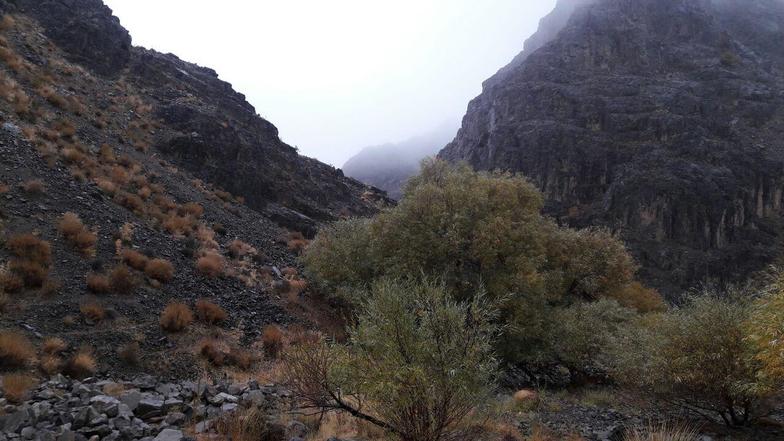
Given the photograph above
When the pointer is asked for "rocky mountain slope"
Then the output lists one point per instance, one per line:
(661, 119)
(389, 166)
(176, 191)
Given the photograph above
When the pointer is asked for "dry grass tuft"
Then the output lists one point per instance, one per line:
(211, 264)
(296, 242)
(159, 269)
(134, 259)
(32, 274)
(53, 346)
(250, 424)
(272, 341)
(98, 284)
(209, 312)
(121, 280)
(176, 317)
(34, 186)
(179, 225)
(75, 232)
(130, 353)
(238, 249)
(16, 351)
(30, 247)
(93, 311)
(50, 364)
(663, 433)
(17, 386)
(193, 209)
(81, 365)
(210, 349)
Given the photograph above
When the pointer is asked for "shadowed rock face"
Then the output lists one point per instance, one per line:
(663, 119)
(207, 127)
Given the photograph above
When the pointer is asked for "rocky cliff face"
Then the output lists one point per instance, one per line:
(663, 119)
(207, 127)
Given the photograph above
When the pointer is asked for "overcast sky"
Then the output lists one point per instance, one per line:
(338, 75)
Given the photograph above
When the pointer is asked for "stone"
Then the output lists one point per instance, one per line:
(228, 407)
(131, 399)
(296, 429)
(149, 407)
(170, 435)
(255, 398)
(223, 398)
(28, 433)
(105, 404)
(175, 419)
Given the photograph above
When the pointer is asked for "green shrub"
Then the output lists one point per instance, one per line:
(417, 363)
(474, 231)
(696, 357)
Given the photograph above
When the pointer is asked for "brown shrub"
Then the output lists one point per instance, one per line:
(33, 186)
(159, 269)
(50, 364)
(211, 351)
(75, 232)
(176, 317)
(121, 280)
(32, 274)
(251, 424)
(193, 209)
(211, 264)
(16, 351)
(129, 353)
(106, 185)
(7, 23)
(241, 359)
(4, 188)
(130, 201)
(50, 288)
(10, 282)
(209, 312)
(272, 341)
(98, 284)
(55, 99)
(238, 248)
(135, 259)
(289, 272)
(17, 386)
(29, 247)
(119, 175)
(81, 365)
(53, 346)
(93, 311)
(176, 224)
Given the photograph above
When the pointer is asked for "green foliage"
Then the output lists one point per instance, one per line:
(417, 363)
(697, 357)
(766, 333)
(478, 231)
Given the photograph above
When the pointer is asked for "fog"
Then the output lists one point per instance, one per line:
(336, 76)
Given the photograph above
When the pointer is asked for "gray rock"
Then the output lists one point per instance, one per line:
(105, 404)
(149, 407)
(170, 435)
(296, 429)
(175, 419)
(131, 399)
(255, 398)
(229, 407)
(223, 398)
(28, 433)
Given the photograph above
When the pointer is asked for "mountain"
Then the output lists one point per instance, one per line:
(660, 119)
(131, 180)
(389, 166)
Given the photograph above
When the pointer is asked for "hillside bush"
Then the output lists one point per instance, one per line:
(417, 363)
(697, 357)
(478, 230)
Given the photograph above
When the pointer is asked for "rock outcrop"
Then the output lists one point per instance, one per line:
(662, 119)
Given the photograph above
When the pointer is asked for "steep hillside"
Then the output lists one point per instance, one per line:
(661, 119)
(389, 166)
(176, 191)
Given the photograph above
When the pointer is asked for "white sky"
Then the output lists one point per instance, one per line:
(338, 75)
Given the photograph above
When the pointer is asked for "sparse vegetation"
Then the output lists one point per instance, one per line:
(417, 363)
(176, 317)
(16, 351)
(98, 283)
(130, 353)
(135, 259)
(159, 269)
(122, 280)
(209, 312)
(75, 232)
(663, 433)
(272, 341)
(81, 365)
(31, 265)
(54, 346)
(92, 311)
(211, 264)
(17, 386)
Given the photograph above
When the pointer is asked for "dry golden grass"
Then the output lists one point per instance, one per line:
(129, 353)
(7, 23)
(53, 346)
(211, 350)
(49, 94)
(34, 186)
(10, 282)
(129, 201)
(134, 259)
(667, 432)
(193, 209)
(30, 247)
(159, 269)
(238, 249)
(50, 364)
(249, 425)
(180, 225)
(17, 386)
(98, 284)
(241, 359)
(122, 280)
(211, 264)
(16, 351)
(272, 341)
(209, 312)
(106, 185)
(32, 274)
(81, 365)
(75, 232)
(92, 311)
(176, 317)
(50, 288)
